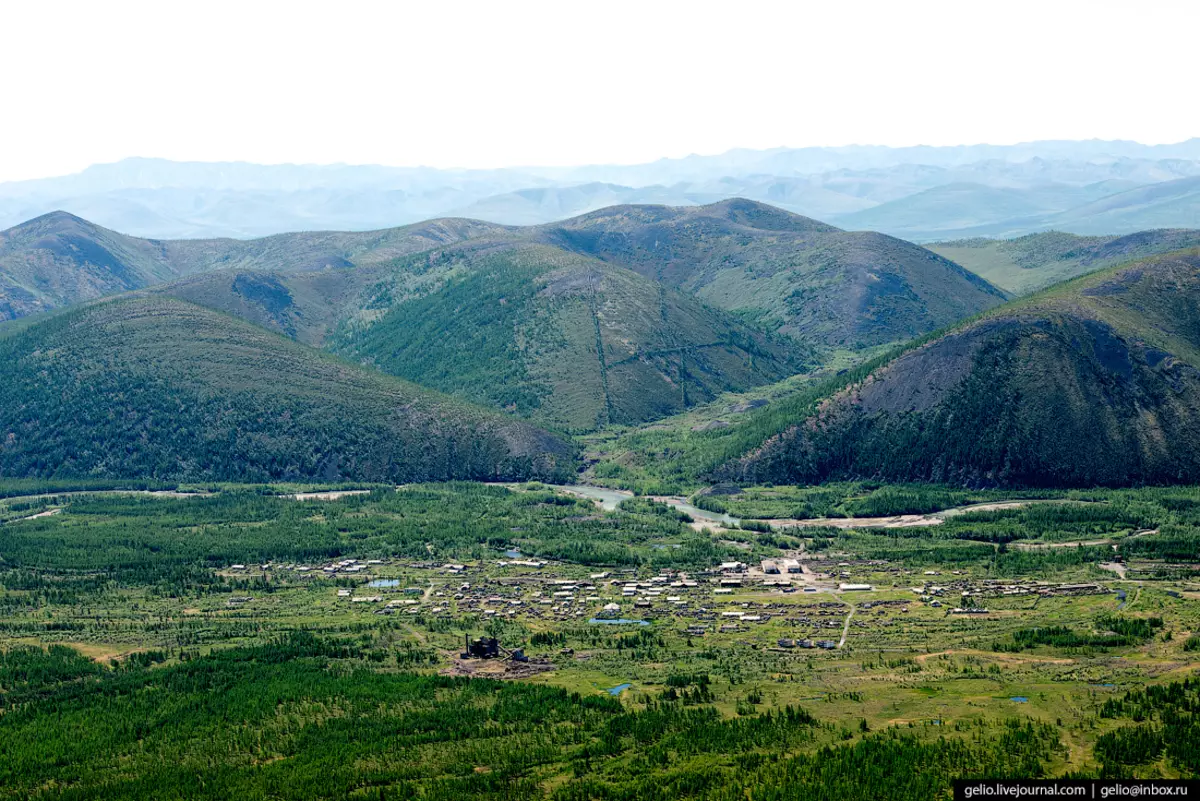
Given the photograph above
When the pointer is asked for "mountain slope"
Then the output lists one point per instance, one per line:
(950, 206)
(783, 271)
(987, 209)
(489, 319)
(1166, 204)
(155, 387)
(550, 335)
(1093, 382)
(59, 259)
(535, 205)
(603, 345)
(1036, 261)
(779, 270)
(563, 339)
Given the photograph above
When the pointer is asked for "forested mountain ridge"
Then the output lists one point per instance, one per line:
(625, 315)
(1094, 382)
(155, 387)
(783, 271)
(59, 259)
(780, 270)
(563, 339)
(1036, 261)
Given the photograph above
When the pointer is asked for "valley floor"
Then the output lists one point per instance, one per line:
(309, 642)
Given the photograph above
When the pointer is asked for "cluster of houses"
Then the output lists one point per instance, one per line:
(537, 564)
(343, 566)
(537, 589)
(600, 597)
(828, 645)
(728, 598)
(999, 588)
(772, 567)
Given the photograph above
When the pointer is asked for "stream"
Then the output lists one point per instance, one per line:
(610, 499)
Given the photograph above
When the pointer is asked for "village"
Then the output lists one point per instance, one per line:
(780, 604)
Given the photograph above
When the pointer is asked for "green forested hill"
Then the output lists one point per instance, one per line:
(563, 339)
(545, 323)
(1093, 382)
(533, 329)
(159, 388)
(59, 259)
(1036, 261)
(785, 272)
(620, 316)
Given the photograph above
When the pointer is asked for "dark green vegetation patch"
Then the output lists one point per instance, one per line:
(298, 718)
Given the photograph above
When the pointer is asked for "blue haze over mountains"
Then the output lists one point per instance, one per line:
(919, 193)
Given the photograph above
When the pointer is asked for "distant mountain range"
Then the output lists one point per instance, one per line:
(1035, 261)
(920, 193)
(962, 210)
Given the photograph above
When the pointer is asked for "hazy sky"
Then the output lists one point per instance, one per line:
(459, 84)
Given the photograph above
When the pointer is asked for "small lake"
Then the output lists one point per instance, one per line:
(620, 688)
(513, 553)
(384, 583)
(618, 621)
(1020, 699)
